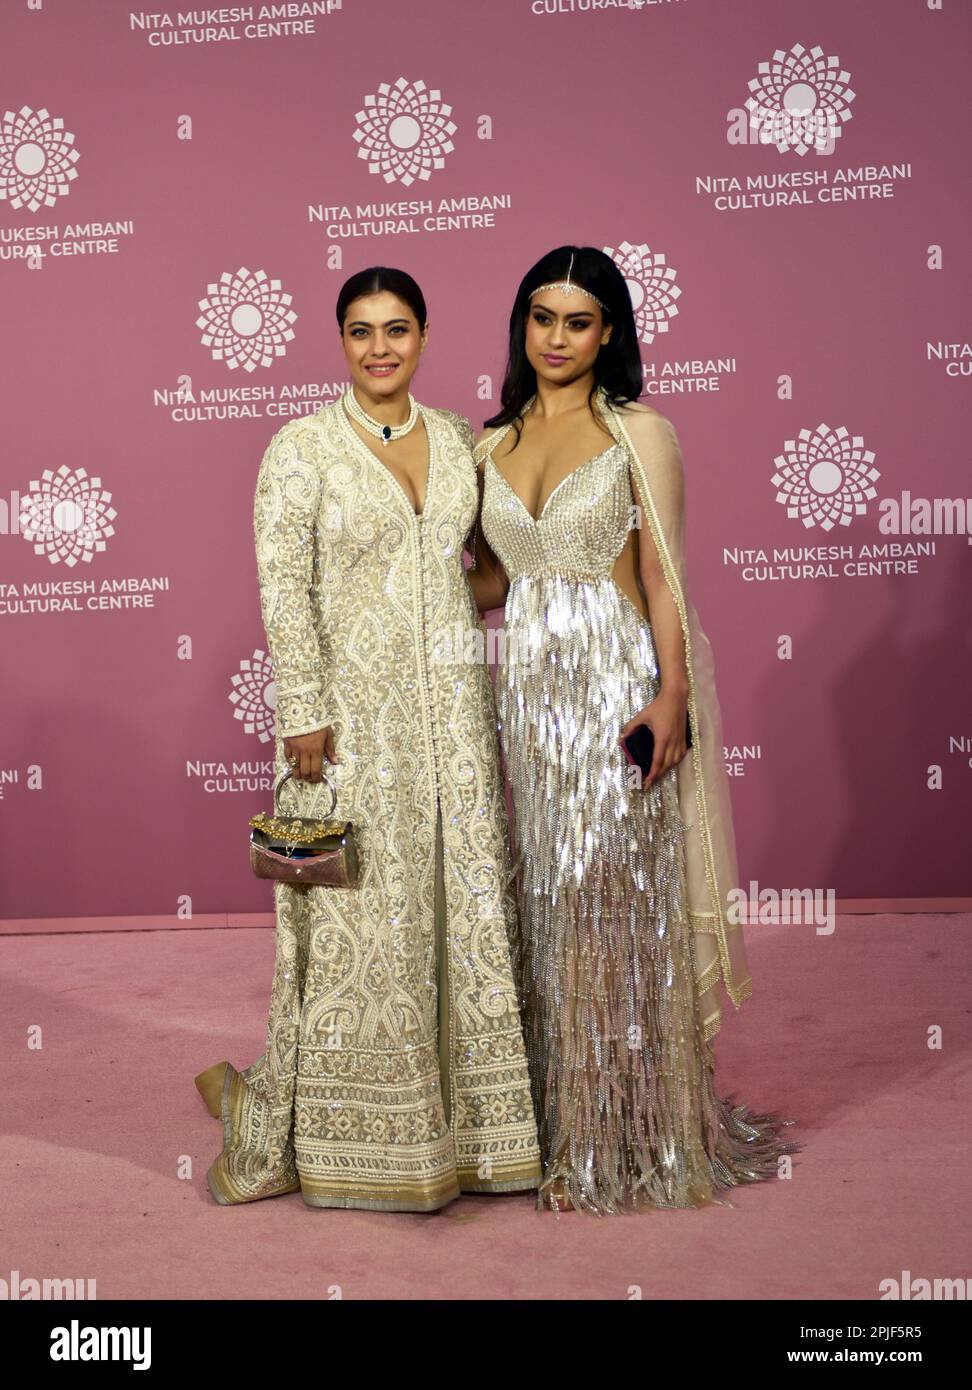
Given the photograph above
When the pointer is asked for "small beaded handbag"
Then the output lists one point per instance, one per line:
(300, 849)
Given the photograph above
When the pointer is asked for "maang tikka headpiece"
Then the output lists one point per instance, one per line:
(567, 286)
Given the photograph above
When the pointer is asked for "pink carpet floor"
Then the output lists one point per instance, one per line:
(105, 1142)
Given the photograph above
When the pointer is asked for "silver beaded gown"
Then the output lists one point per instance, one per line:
(621, 1071)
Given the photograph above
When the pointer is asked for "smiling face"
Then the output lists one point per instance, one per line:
(564, 333)
(382, 342)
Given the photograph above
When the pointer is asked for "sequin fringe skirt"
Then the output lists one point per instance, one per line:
(621, 1072)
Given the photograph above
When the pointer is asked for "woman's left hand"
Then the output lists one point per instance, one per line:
(666, 717)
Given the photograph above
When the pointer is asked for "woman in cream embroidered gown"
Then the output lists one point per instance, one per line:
(395, 1074)
(622, 886)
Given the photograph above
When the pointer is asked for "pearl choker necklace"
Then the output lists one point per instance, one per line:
(375, 427)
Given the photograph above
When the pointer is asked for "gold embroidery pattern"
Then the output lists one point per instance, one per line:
(347, 1101)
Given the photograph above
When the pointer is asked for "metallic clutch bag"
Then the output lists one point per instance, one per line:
(300, 849)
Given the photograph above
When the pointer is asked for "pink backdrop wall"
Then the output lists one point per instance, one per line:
(809, 325)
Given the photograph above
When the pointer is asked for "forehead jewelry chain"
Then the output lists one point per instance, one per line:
(375, 427)
(568, 287)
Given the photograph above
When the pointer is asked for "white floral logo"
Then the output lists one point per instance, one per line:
(66, 516)
(825, 478)
(651, 285)
(404, 132)
(246, 319)
(37, 158)
(800, 100)
(254, 696)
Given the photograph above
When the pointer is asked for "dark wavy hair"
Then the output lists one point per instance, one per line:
(373, 281)
(617, 367)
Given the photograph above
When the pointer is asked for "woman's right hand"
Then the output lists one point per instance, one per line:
(306, 754)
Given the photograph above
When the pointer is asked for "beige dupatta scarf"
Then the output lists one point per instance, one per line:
(703, 783)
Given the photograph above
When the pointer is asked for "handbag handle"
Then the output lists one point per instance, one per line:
(286, 776)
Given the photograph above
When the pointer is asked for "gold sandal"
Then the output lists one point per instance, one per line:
(209, 1084)
(563, 1201)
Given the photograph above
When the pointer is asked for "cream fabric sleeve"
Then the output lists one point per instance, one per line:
(284, 524)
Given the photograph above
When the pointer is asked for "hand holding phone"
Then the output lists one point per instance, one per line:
(639, 746)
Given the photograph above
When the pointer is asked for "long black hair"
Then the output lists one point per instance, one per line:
(376, 279)
(617, 367)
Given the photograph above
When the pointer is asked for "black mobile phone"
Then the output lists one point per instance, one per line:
(640, 745)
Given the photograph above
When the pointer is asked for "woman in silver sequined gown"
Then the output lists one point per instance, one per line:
(621, 1068)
